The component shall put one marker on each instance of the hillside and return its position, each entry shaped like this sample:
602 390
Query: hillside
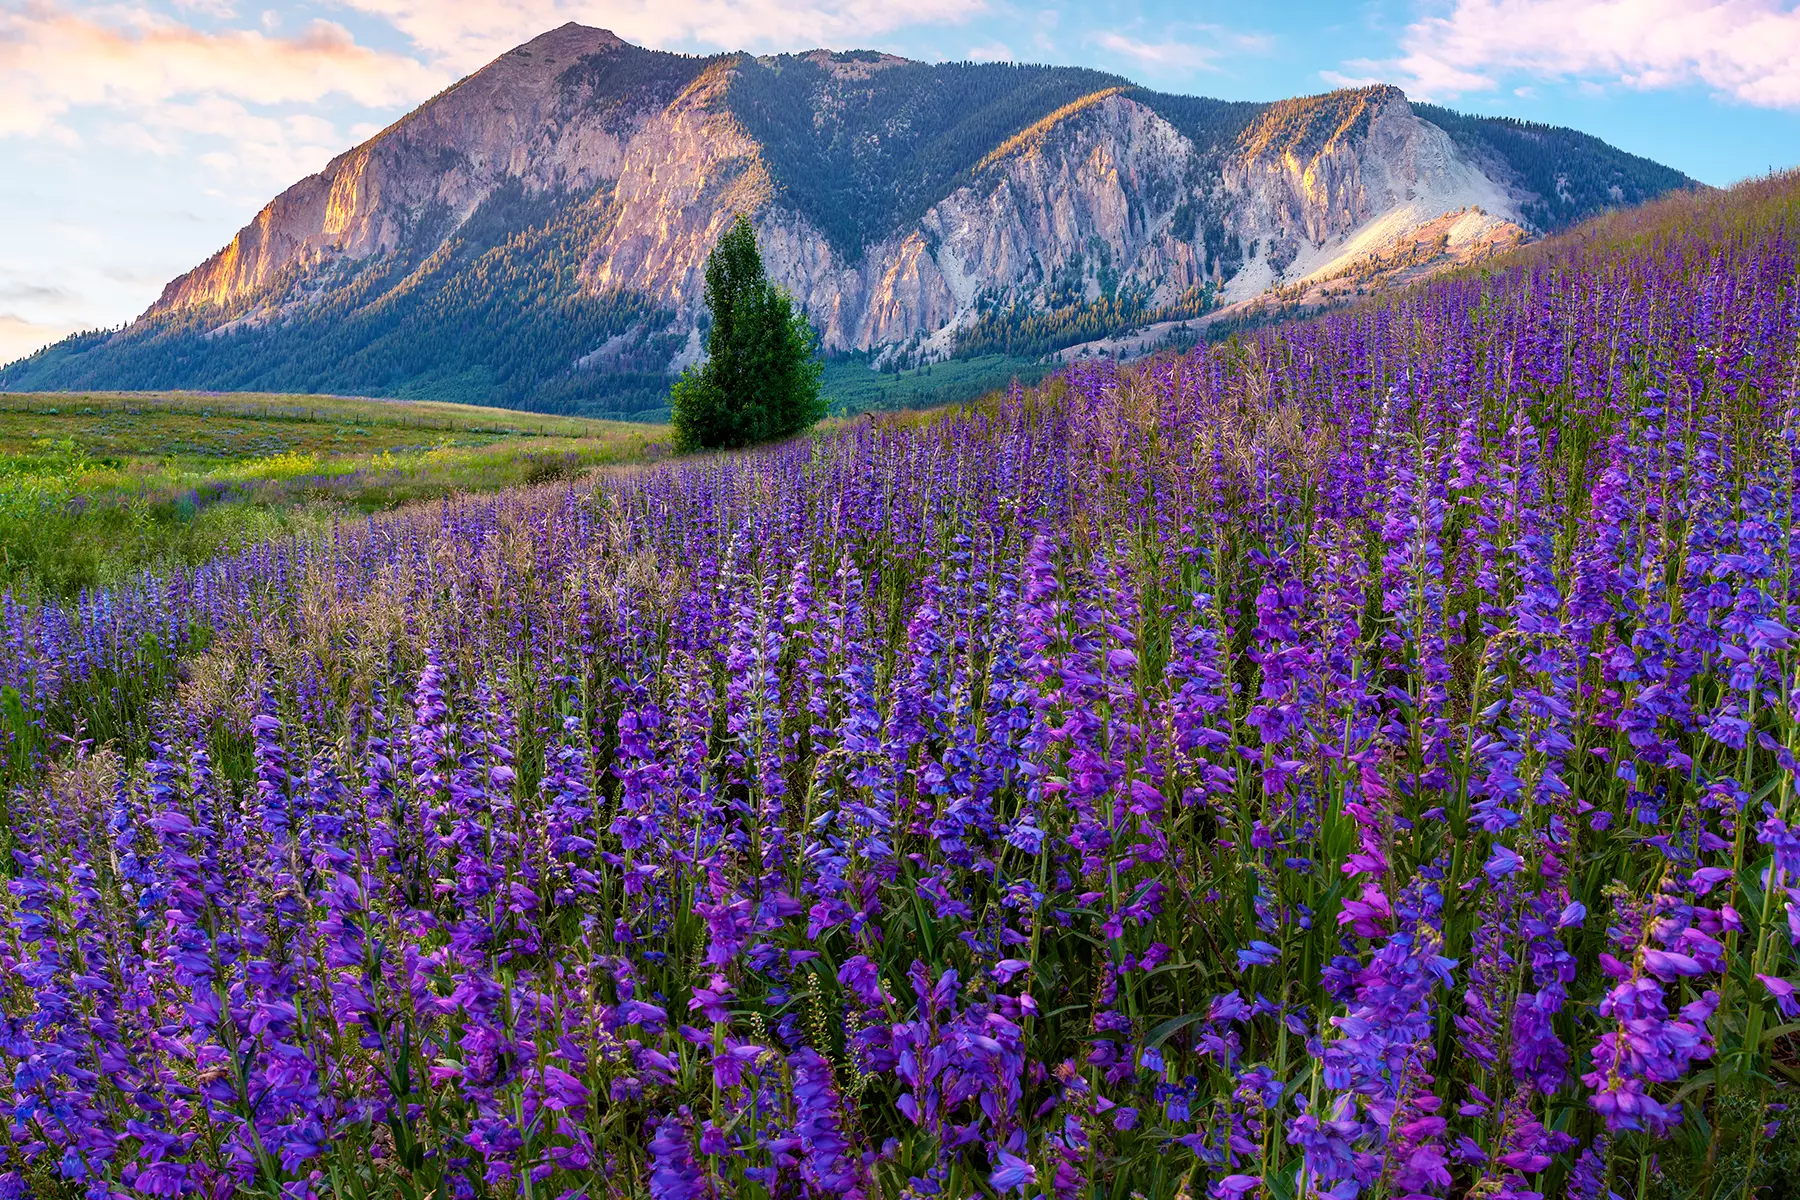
533 237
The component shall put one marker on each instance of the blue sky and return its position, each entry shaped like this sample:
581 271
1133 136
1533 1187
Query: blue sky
136 136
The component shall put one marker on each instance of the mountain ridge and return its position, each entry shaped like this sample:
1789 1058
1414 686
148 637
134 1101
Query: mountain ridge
535 234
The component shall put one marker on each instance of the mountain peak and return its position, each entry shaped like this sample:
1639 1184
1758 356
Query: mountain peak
571 40
537 234
1307 126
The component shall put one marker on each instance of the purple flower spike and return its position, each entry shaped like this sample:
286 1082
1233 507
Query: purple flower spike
1783 992
1007 968
674 1175
1668 964
1501 863
1257 954
1708 878
1014 1174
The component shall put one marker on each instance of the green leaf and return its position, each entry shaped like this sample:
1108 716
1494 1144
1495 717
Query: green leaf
1170 1028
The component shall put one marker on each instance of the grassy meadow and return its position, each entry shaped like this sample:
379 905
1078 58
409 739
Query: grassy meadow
95 487
851 388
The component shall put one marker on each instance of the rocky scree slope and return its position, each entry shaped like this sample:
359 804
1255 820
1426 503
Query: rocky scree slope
535 235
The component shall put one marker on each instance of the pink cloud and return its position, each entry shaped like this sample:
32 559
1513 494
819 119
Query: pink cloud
53 60
255 151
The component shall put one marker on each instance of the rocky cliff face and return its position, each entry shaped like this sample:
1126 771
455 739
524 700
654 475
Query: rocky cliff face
1087 205
422 177
1094 201
900 203
1316 186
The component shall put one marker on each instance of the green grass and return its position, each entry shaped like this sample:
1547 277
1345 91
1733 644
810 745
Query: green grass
851 388
95 487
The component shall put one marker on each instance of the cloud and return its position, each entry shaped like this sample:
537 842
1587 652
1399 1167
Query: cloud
1746 49
36 293
467 33
1338 79
1172 54
53 60
255 150
1179 55
992 52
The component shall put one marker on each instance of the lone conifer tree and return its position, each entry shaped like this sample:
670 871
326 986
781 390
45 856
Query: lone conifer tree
760 379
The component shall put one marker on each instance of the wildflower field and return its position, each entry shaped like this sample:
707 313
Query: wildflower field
1357 761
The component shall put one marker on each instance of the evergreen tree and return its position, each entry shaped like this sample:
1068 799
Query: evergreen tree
760 379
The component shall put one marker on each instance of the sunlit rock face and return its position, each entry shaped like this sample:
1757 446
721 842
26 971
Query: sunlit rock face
418 180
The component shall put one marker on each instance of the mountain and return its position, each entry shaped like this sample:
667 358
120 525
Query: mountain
535 235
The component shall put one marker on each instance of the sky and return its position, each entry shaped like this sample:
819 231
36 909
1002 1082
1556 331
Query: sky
137 136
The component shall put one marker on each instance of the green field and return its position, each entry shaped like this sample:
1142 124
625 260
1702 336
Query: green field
94 487
851 388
